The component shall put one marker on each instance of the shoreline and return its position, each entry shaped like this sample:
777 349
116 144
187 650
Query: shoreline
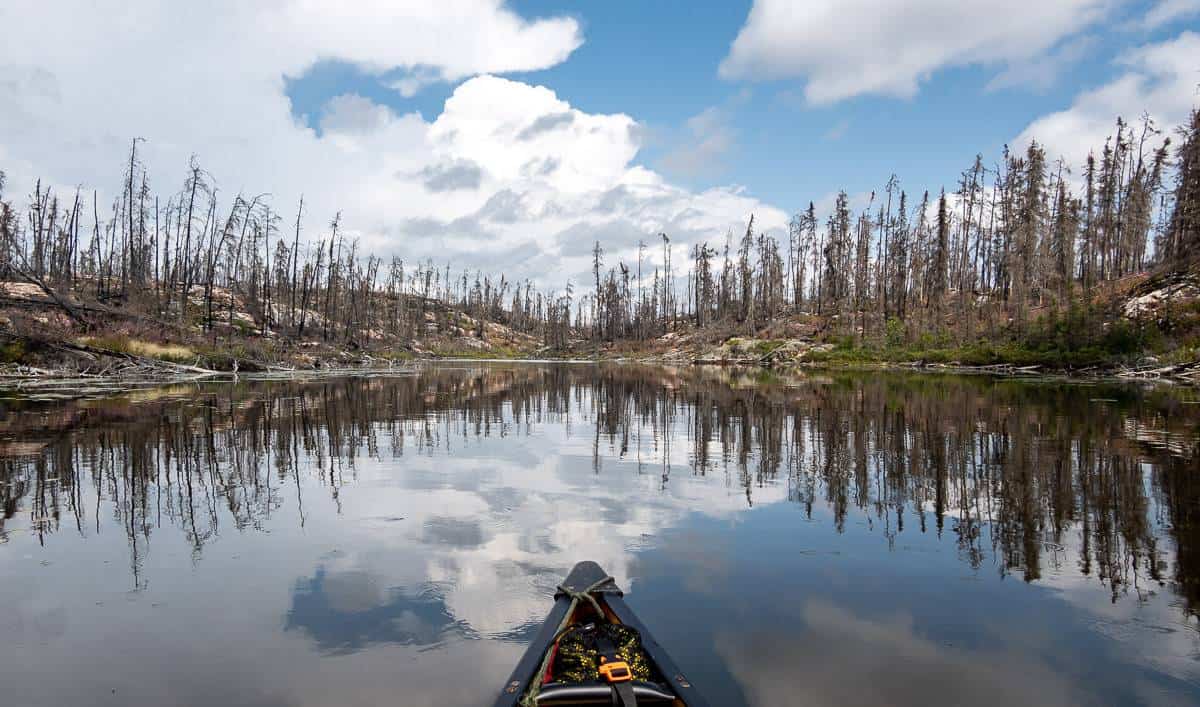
68 383
47 342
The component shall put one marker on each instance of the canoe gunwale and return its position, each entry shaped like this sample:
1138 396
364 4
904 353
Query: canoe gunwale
522 675
678 683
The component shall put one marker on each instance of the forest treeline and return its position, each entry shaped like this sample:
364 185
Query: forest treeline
1011 236
1019 234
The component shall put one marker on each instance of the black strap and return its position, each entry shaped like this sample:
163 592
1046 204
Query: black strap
608 652
625 693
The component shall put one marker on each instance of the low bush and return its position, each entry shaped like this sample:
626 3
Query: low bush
148 349
12 352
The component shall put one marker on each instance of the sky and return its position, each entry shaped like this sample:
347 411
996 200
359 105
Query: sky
509 136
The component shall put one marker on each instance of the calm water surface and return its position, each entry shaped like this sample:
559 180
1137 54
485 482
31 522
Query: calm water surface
830 539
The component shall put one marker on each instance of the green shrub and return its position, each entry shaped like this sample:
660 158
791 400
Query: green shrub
12 352
926 341
894 334
766 346
844 343
394 355
1077 337
497 352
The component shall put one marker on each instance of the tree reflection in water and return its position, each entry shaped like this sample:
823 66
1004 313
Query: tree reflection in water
1029 477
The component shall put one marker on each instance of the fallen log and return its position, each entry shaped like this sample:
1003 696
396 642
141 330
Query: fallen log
71 311
144 362
31 303
726 361
1189 372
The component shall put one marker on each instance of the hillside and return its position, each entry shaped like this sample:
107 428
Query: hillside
1141 326
44 331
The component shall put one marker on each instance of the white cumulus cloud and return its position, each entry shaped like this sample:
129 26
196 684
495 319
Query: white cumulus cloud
494 181
846 48
1157 79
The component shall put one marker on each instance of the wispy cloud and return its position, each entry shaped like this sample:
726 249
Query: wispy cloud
847 48
709 138
838 130
1041 73
1168 11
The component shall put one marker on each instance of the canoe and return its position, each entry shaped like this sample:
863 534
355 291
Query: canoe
589 597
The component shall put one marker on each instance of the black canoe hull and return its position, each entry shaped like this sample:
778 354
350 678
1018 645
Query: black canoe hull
584 575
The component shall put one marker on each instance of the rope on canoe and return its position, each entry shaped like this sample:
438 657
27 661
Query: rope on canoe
530 698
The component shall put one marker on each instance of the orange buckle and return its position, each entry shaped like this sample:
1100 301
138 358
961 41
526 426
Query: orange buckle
616 671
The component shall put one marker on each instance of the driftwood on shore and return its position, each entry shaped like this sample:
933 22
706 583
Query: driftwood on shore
129 363
1184 371
728 361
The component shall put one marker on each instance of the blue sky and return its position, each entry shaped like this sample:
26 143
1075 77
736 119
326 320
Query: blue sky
658 62
512 135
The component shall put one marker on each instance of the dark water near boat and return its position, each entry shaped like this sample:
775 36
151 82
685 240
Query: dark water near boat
829 539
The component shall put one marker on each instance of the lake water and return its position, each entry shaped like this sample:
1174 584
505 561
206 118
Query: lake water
825 539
